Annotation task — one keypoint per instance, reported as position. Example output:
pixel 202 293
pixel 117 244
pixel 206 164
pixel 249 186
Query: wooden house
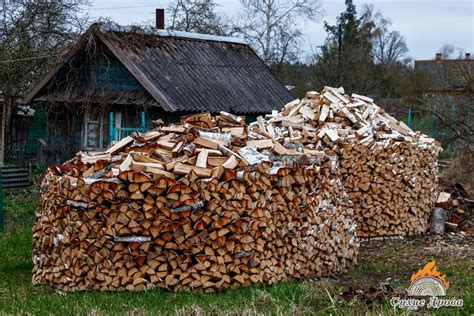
pixel 117 79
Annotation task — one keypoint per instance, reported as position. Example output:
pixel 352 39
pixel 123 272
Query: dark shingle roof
pixel 193 72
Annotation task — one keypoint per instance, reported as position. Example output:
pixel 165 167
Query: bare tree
pixel 388 47
pixel 32 36
pixel 449 51
pixel 198 16
pixel 456 113
pixel 271 26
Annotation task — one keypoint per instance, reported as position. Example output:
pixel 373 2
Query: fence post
pixel 453 122
pixel 432 123
pixel 409 117
pixel 143 121
pixel 111 127
pixel 2 215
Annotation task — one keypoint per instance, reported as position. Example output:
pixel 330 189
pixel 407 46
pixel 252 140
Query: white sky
pixel 426 24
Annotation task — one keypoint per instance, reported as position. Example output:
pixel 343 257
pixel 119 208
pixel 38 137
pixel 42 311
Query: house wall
pixel 156 113
pixel 19 140
pixel 19 128
pixel 6 123
pixel 110 74
pixel 84 92
pixel 36 131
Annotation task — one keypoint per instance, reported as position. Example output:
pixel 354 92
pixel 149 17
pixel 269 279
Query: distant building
pixel 448 75
pixel 116 79
pixel 448 95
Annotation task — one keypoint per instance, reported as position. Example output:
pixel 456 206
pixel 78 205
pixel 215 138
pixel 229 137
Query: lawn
pixel 387 261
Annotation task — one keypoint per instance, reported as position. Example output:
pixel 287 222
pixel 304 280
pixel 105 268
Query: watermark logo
pixel 430 284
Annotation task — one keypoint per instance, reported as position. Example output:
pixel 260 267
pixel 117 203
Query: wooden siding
pixel 110 74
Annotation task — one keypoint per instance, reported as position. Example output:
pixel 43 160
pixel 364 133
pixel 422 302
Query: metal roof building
pixel 176 71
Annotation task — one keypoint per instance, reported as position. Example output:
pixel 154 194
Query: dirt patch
pixel 386 265
pixel 450 248
pixel 393 260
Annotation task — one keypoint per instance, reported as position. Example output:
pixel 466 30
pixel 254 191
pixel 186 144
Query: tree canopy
pixel 33 35
pixel 362 54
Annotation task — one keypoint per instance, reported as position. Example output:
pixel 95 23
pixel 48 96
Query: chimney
pixel 160 19
pixel 439 56
pixel 468 56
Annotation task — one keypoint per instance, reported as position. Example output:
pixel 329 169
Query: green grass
pixel 377 262
pixel 19 206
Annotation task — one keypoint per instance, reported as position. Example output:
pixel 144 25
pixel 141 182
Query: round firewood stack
pixel 389 171
pixel 203 206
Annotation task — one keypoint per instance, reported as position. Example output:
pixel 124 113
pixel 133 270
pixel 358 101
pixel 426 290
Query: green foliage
pixel 346 58
pixel 362 55
pixel 390 79
pixel 294 74
pixel 414 83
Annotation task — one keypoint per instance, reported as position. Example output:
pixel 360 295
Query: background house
pixel 448 76
pixel 446 99
pixel 117 79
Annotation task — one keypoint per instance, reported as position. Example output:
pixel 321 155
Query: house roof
pixel 447 74
pixel 187 71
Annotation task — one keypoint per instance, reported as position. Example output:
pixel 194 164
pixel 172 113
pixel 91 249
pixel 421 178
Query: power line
pixel 27 58
pixel 133 7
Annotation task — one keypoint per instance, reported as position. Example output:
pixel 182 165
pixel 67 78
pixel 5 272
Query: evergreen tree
pixel 346 58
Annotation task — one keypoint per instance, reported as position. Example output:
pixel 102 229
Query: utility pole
pixel 339 52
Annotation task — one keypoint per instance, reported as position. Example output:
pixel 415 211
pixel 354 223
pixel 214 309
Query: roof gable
pixel 59 65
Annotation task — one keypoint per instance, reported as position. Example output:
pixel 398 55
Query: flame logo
pixel 428 282
pixel 430 270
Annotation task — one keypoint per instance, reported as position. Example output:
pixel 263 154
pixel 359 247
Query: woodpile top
pixel 322 120
pixel 208 146
pixel 200 145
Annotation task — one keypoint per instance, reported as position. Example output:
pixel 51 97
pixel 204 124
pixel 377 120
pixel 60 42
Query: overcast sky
pixel 426 24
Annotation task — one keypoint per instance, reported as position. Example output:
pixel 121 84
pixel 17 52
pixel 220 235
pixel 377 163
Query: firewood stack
pixel 204 205
pixel 459 208
pixel 389 171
